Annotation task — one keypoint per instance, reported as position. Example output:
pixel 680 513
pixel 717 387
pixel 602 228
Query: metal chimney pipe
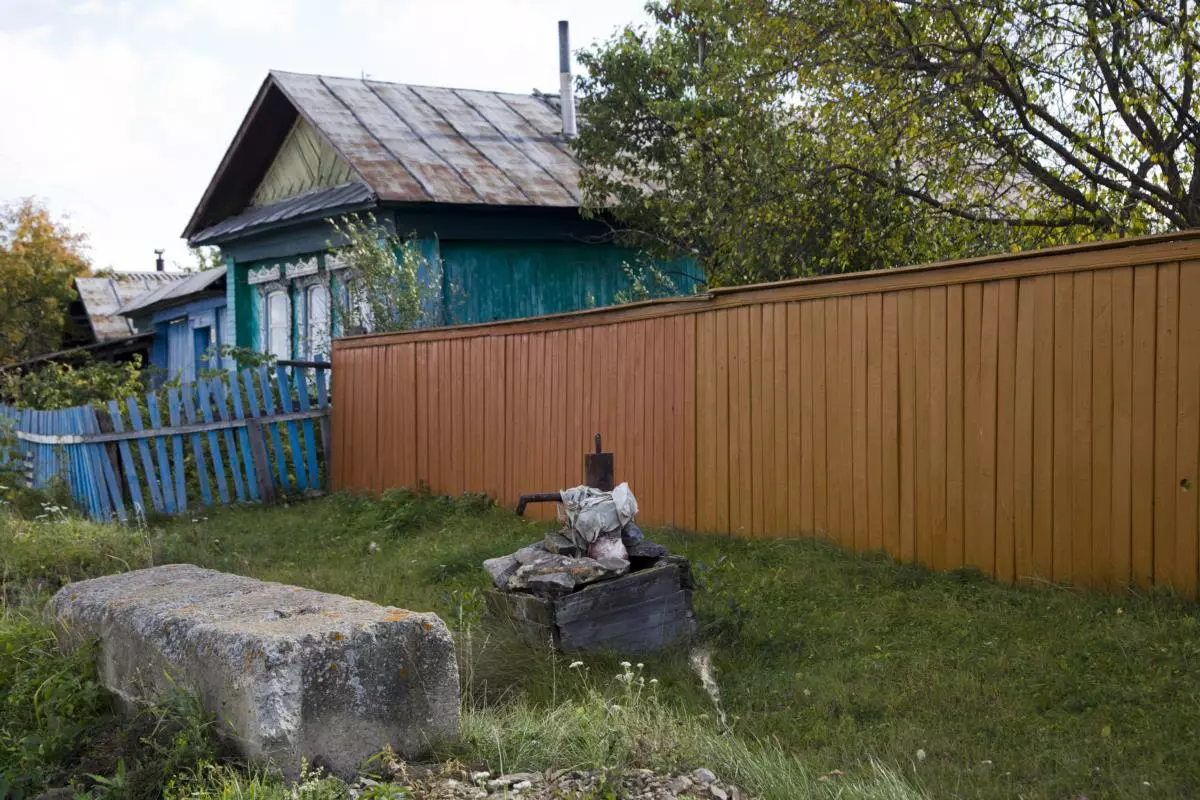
pixel 566 86
pixel 158 261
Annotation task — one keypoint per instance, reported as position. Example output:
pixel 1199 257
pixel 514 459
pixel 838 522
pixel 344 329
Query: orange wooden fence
pixel 1034 415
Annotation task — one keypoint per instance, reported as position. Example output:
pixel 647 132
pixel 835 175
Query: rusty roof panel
pixel 490 182
pixel 439 179
pixel 102 295
pixel 318 202
pixel 505 112
pixel 338 123
pixel 539 185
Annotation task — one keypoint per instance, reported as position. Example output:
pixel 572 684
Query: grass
pixel 905 681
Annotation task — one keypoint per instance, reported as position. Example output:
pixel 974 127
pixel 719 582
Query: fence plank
pixel 891 421
pixel 281 472
pixel 1144 366
pixel 923 532
pixel 239 412
pixel 100 454
pixel 1122 483
pixel 1023 483
pixel 1187 457
pixel 310 443
pixel 327 428
pixel 131 476
pixel 285 402
pixel 1102 427
pixel 164 465
pixel 1006 400
pixel 218 394
pixel 261 462
pixel 1166 485
pixel 149 471
pixel 177 450
pixel 189 405
pixel 1063 409
pixel 1043 427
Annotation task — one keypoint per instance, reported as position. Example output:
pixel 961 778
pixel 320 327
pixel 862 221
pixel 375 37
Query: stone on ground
pixel 291 673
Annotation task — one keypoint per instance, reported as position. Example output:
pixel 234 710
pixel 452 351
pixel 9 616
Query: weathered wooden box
pixel 636 613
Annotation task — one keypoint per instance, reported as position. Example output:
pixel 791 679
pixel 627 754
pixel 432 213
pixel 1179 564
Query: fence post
pixel 258 455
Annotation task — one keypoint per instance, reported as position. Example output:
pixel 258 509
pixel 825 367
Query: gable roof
pixel 174 292
pixel 404 143
pixel 102 297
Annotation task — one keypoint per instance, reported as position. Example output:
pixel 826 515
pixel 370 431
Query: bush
pixel 58 385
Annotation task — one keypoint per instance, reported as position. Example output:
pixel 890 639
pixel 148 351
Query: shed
pixel 485 181
pixel 187 317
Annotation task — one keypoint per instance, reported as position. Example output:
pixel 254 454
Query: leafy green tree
pixel 39 260
pixel 63 385
pixel 795 137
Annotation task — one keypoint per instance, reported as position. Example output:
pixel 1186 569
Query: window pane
pixel 318 320
pixel 279 329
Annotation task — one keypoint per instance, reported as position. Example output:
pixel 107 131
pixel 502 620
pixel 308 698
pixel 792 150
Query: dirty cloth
pixel 591 513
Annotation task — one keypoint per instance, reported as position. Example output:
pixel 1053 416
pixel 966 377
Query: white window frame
pixel 269 328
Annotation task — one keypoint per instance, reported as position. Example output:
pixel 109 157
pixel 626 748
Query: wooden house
pixel 484 181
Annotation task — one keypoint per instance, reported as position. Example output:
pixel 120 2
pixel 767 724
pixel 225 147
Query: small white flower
pixel 654 681
pixel 626 664
pixel 921 754
pixel 575 665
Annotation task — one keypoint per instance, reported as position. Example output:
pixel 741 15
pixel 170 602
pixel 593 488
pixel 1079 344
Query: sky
pixel 115 113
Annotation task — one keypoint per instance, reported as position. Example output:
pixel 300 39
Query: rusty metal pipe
pixel 536 497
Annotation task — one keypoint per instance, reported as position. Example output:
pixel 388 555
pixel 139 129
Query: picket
pixel 276 441
pixel 135 421
pixel 101 466
pixel 205 401
pixel 160 445
pixel 218 392
pixel 189 407
pixel 235 392
pixel 177 450
pixel 285 401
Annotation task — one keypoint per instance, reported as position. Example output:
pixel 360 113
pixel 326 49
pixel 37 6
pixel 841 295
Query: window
pixel 318 321
pixel 362 318
pixel 279 325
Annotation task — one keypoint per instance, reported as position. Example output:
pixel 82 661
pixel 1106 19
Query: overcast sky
pixel 115 113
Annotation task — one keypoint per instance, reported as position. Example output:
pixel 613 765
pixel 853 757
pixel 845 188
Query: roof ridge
pixel 537 93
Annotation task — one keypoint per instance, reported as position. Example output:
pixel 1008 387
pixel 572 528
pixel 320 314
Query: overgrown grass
pixel 897 677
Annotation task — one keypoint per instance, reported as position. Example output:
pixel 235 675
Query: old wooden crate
pixel 636 613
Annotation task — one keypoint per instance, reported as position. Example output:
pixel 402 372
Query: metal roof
pixel 170 293
pixel 408 144
pixel 103 295
pixel 318 202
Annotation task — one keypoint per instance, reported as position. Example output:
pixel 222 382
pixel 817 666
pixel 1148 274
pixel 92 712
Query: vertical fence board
pixel 1023 483
pixel 802 314
pixel 189 407
pixel 858 409
pixel 1187 428
pixel 1044 464
pixel 890 384
pixel 177 450
pixel 1122 446
pixel 1063 425
pixel 875 453
pixel 148 470
pixel 281 470
pixel 922 454
pixel 285 404
pixel 160 444
pixel 954 428
pixel 1006 399
pixel 1081 542
pixel 908 427
pixel 231 450
pixel 310 443
pixel 204 404
pixel 936 558
pixel 1102 427
pixel 820 428
pixel 239 412
pixel 1166 485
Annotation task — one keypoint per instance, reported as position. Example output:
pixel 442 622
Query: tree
pixel 803 136
pixel 39 259
pixel 1029 113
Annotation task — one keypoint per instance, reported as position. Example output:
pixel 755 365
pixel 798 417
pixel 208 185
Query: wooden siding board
pixel 1043 427
pixel 1187 427
pixel 1081 541
pixel 820 428
pixel 1023 390
pixel 1122 449
pixel 1063 426
pixel 1006 399
pixel 858 408
pixel 875 450
pixel 908 419
pixel 890 382
pixel 1102 427
pixel 1165 422
pixel 954 428
pixel 922 454
pixel 937 428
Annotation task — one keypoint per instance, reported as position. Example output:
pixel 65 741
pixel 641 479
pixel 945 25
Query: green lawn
pixel 959 687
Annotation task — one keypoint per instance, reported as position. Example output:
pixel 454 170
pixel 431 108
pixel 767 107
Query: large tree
pixel 39 259
pixel 799 136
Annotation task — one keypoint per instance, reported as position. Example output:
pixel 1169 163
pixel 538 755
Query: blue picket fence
pixel 244 437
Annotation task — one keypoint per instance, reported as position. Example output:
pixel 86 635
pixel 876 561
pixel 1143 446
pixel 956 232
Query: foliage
pixel 798 137
pixel 202 258
pixel 58 384
pixel 394 287
pixel 647 281
pixel 825 660
pixel 39 259
pixel 49 704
